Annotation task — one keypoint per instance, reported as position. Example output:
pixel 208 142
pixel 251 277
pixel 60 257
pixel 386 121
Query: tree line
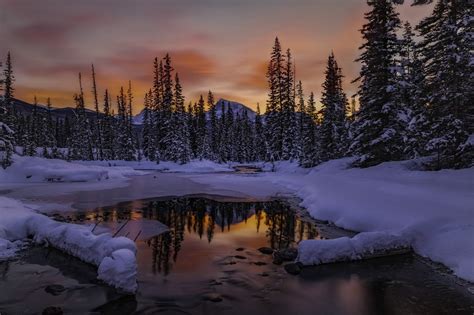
pixel 415 99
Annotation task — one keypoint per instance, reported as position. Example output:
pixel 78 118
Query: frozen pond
pixel 208 262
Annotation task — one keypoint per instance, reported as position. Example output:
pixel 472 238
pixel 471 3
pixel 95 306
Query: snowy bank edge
pixel 114 257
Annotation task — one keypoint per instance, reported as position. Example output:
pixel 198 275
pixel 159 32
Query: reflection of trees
pixel 284 226
pixel 202 217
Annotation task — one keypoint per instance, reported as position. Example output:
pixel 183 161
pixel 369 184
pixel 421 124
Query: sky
pixel 218 45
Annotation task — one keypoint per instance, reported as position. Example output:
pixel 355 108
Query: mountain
pixel 221 104
pixel 26 109
pixel 224 104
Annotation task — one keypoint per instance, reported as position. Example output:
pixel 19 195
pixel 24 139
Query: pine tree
pixel 80 147
pixel 377 132
pixel 7 140
pixel 446 51
pixel 275 75
pixel 148 148
pixel 201 126
pixel 260 143
pixel 98 124
pixel 310 150
pixel 165 107
pixel 108 150
pixel 8 91
pixel 333 131
pixel 50 147
pixel 184 149
pixel 290 132
pixel 213 136
pixel 412 96
pixel 125 146
pixel 301 112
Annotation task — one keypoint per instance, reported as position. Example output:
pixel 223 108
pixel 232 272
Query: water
pixel 208 263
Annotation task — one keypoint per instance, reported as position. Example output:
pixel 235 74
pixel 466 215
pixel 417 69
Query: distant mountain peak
pixel 235 106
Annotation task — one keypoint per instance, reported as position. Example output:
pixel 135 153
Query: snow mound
pixel 316 252
pixel 115 257
pixel 35 169
pixel 119 270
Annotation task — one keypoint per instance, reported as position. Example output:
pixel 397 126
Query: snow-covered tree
pixel 80 146
pixel 273 119
pixel 97 134
pixel 259 139
pixel 412 96
pixel 7 139
pixel 447 53
pixel 377 132
pixel 310 145
pixel 333 131
pixel 290 131
pixel 108 134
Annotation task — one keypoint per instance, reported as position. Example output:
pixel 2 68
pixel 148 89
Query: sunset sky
pixel 222 45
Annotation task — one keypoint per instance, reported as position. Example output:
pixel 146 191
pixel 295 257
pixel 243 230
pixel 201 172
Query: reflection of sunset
pixel 224 49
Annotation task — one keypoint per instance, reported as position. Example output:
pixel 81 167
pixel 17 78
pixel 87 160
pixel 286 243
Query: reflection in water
pixel 210 252
pixel 205 218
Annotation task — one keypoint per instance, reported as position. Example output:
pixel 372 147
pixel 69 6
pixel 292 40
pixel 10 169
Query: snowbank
pixel 434 210
pixel 363 245
pixel 194 166
pixel 35 169
pixel 115 257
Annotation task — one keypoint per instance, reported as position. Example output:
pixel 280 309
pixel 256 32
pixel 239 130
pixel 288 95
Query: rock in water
pixel 266 250
pixel 293 268
pixel 213 297
pixel 53 310
pixel 55 289
pixel 288 254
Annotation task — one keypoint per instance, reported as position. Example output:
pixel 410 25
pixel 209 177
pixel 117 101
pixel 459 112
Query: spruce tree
pixel 97 131
pixel 446 52
pixel 333 131
pixel 125 142
pixel 412 96
pixel 310 150
pixel 259 138
pixel 275 76
pixel 147 143
pixel 301 112
pixel 378 127
pixel 213 136
pixel 7 140
pixel 80 146
pixel 183 145
pixel 108 147
pixel 8 91
pixel 290 132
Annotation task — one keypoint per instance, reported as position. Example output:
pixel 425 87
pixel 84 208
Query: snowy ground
pixel 431 211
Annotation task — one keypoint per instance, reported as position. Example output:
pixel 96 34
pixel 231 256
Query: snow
pixel 34 169
pixel 432 210
pixel 115 257
pixel 393 204
pixel 315 252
